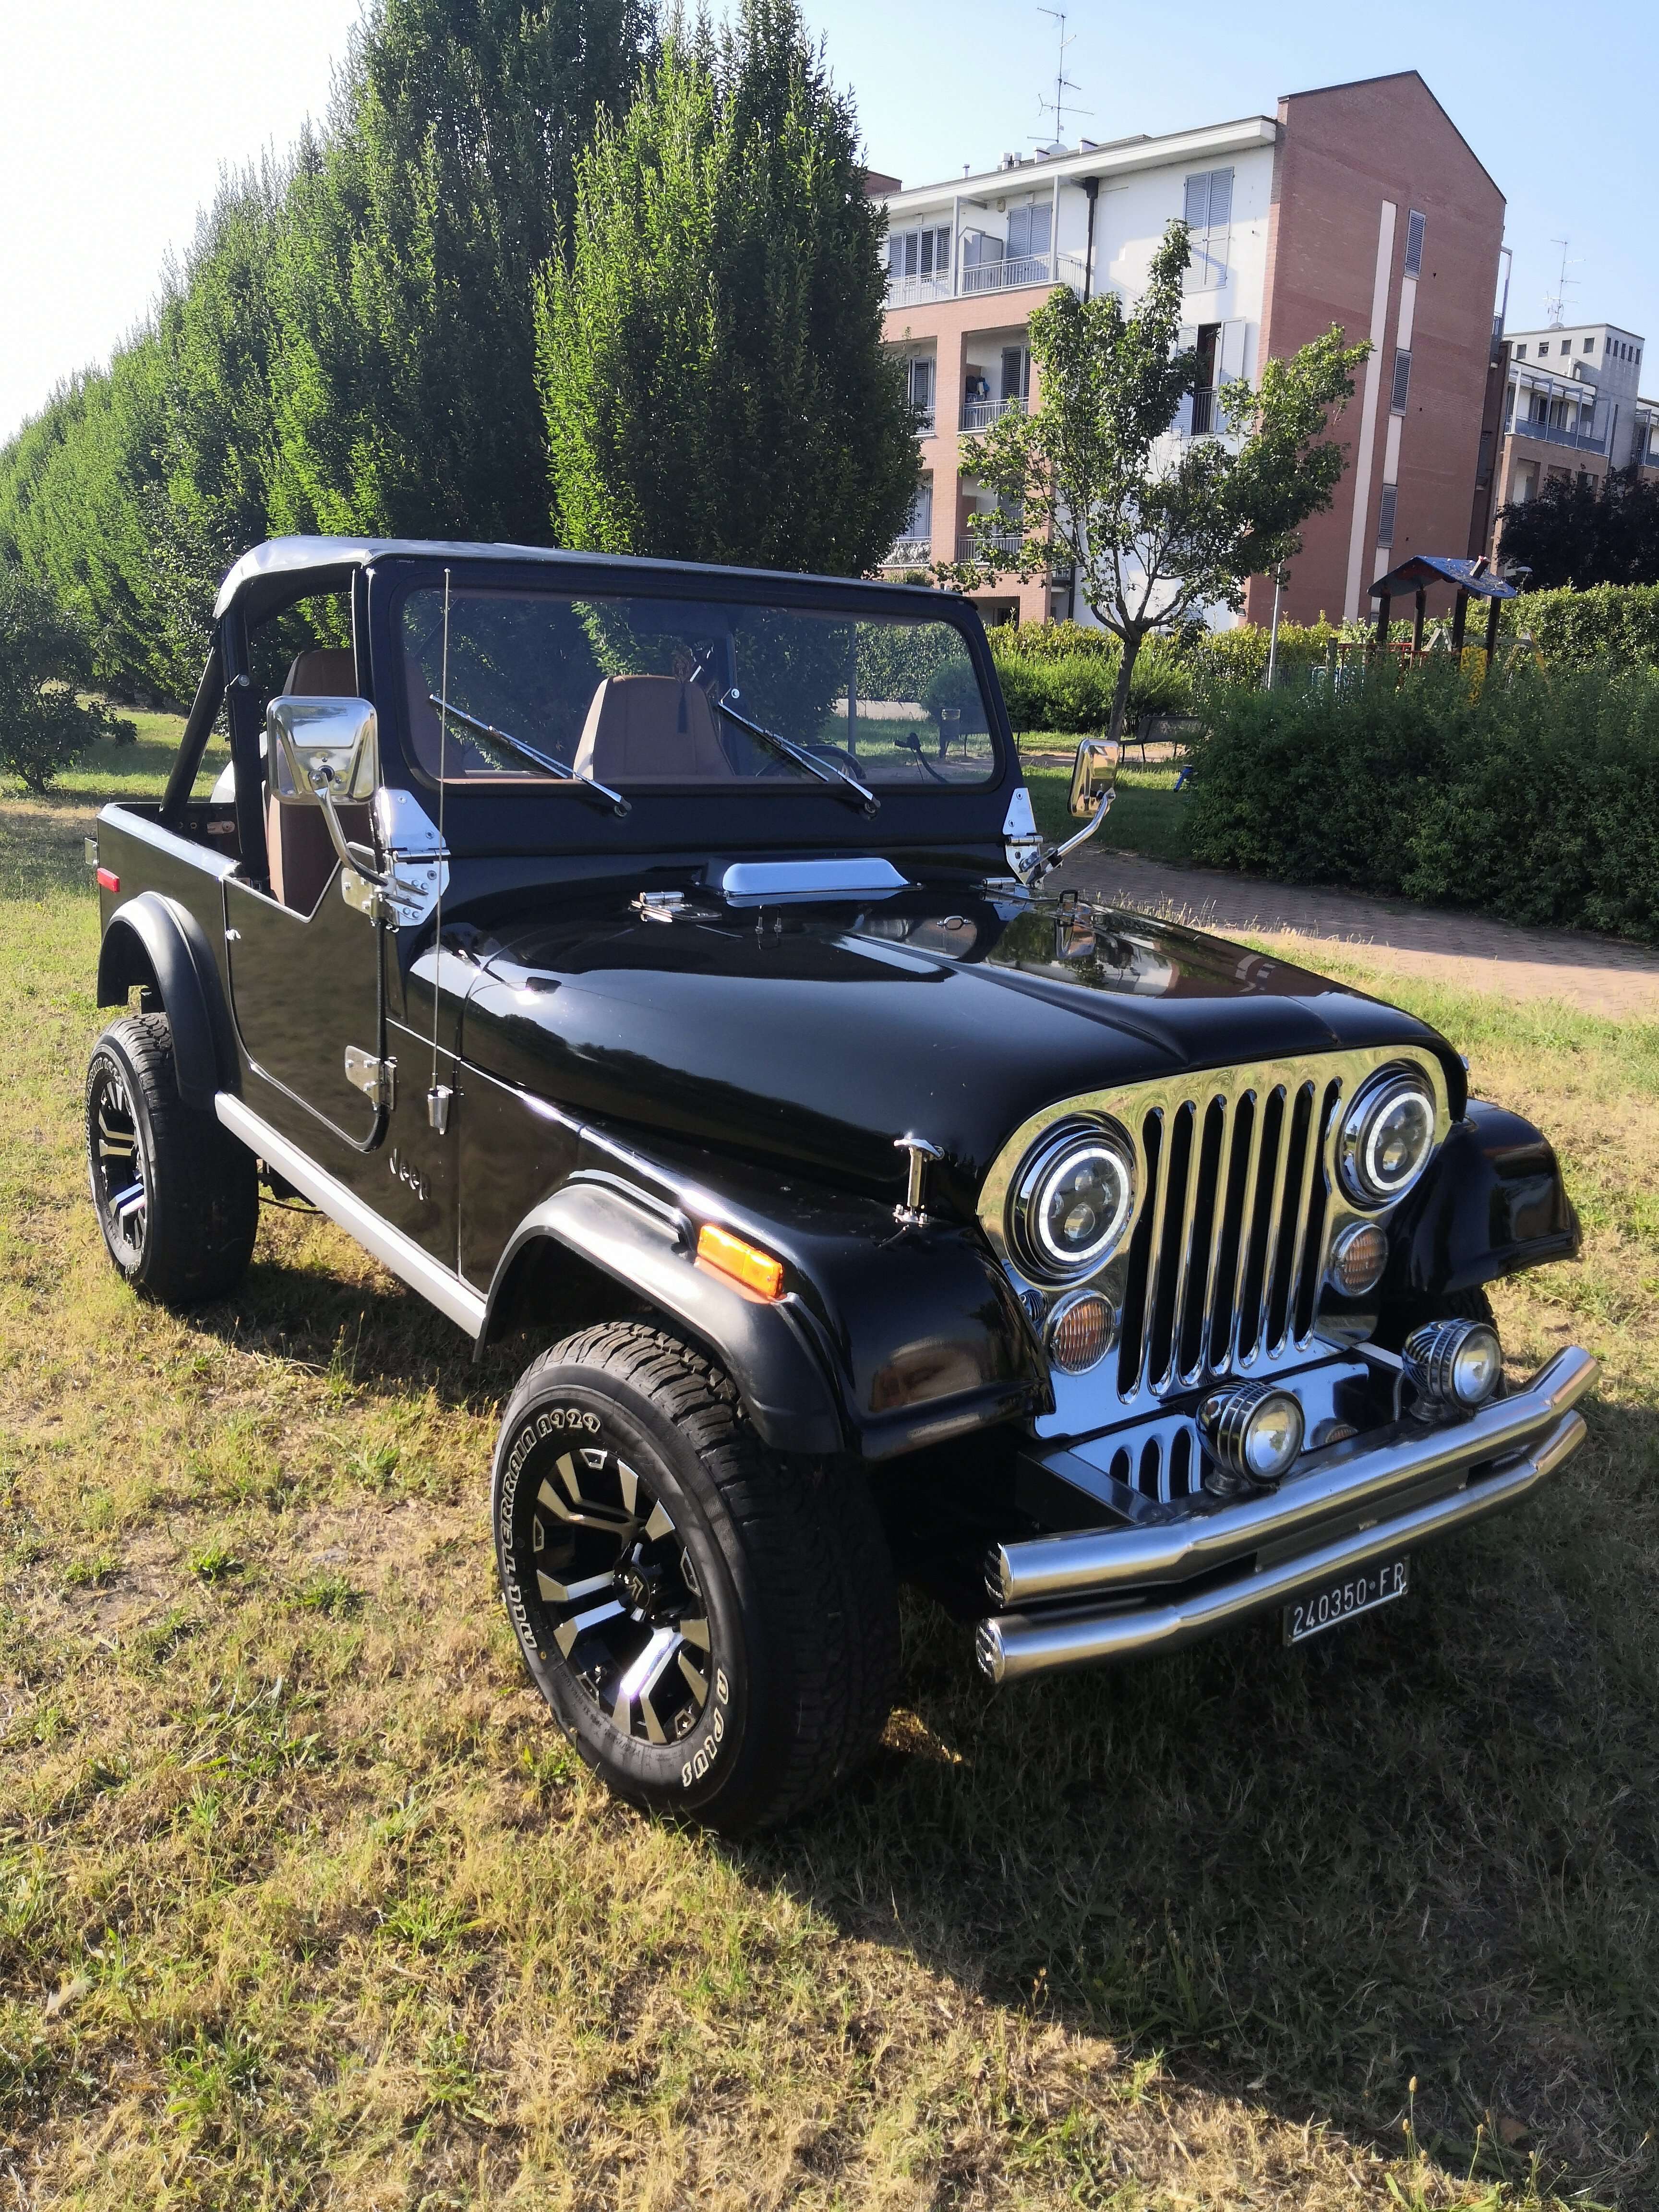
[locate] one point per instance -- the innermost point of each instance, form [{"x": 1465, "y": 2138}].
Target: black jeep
[{"x": 652, "y": 960}]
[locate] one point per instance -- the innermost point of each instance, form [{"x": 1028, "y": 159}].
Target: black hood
[{"x": 814, "y": 1037}]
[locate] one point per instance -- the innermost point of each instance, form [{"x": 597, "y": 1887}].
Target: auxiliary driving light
[
  {"x": 1082, "y": 1330},
  {"x": 1252, "y": 1428},
  {"x": 1458, "y": 1362},
  {"x": 1358, "y": 1259}
]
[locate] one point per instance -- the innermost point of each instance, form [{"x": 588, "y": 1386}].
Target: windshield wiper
[
  {"x": 857, "y": 794},
  {"x": 490, "y": 734}
]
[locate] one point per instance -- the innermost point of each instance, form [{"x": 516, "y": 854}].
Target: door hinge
[{"x": 375, "y": 1078}]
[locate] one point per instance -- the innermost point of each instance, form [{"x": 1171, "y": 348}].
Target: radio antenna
[
  {"x": 438, "y": 1097},
  {"x": 1059, "y": 105}
]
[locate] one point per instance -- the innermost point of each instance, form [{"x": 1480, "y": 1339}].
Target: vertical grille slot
[{"x": 1225, "y": 1262}]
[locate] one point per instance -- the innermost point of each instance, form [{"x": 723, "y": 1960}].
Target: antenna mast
[
  {"x": 1555, "y": 306},
  {"x": 1059, "y": 105}
]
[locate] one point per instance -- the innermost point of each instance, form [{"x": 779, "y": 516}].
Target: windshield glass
[{"x": 635, "y": 692}]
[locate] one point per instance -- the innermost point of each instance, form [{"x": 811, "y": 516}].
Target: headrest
[{"x": 323, "y": 671}]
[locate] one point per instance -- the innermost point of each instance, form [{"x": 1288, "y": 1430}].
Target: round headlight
[
  {"x": 1387, "y": 1137},
  {"x": 1252, "y": 1430},
  {"x": 1461, "y": 1363},
  {"x": 1073, "y": 1202},
  {"x": 1359, "y": 1257}
]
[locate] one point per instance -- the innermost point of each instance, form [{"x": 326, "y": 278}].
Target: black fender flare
[
  {"x": 156, "y": 943},
  {"x": 766, "y": 1344},
  {"x": 1493, "y": 1203}
]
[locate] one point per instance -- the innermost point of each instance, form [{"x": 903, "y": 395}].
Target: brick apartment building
[
  {"x": 1358, "y": 205},
  {"x": 1571, "y": 405}
]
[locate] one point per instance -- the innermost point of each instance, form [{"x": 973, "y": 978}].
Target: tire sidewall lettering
[{"x": 706, "y": 1752}]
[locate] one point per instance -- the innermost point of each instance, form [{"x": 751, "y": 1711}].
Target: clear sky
[{"x": 115, "y": 119}]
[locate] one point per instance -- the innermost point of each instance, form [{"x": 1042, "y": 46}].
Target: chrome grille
[{"x": 1224, "y": 1265}]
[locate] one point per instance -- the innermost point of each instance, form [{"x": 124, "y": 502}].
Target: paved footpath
[{"x": 1598, "y": 974}]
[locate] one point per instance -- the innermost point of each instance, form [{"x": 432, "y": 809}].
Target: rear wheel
[
  {"x": 714, "y": 1626},
  {"x": 177, "y": 1196}
]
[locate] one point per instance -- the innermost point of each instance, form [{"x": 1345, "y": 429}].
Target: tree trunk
[{"x": 1126, "y": 669}]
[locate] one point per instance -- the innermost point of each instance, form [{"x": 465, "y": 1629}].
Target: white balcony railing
[
  {"x": 979, "y": 545},
  {"x": 909, "y": 553},
  {"x": 980, "y": 414},
  {"x": 1008, "y": 275}
]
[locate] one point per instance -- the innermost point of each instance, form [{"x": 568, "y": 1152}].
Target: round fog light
[
  {"x": 1460, "y": 1363},
  {"x": 1081, "y": 1331},
  {"x": 1254, "y": 1430},
  {"x": 1358, "y": 1259}
]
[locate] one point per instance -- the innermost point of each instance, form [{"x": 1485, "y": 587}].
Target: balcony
[
  {"x": 1209, "y": 416},
  {"x": 1555, "y": 433},
  {"x": 909, "y": 553},
  {"x": 918, "y": 291},
  {"x": 977, "y": 544},
  {"x": 1010, "y": 276},
  {"x": 980, "y": 414},
  {"x": 924, "y": 421}
]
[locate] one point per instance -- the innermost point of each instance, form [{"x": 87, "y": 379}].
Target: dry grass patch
[{"x": 303, "y": 1901}]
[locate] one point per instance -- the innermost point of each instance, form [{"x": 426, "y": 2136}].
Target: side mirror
[
  {"x": 1094, "y": 777},
  {"x": 326, "y": 753},
  {"x": 324, "y": 750}
]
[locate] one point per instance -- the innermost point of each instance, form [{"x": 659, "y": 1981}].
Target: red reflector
[{"x": 108, "y": 880}]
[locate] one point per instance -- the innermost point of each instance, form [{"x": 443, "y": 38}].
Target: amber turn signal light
[{"x": 747, "y": 1264}]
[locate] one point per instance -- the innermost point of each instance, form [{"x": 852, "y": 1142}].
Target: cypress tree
[{"x": 710, "y": 343}]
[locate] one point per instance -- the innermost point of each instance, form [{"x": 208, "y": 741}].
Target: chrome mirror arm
[{"x": 1052, "y": 858}]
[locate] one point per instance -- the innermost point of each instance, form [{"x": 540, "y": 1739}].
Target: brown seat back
[{"x": 651, "y": 729}]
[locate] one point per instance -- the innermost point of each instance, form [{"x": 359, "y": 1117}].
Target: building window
[
  {"x": 1520, "y": 353},
  {"x": 1016, "y": 374},
  {"x": 1416, "y": 224},
  {"x": 1028, "y": 229},
  {"x": 1402, "y": 379},
  {"x": 1207, "y": 212},
  {"x": 1385, "y": 519},
  {"x": 919, "y": 252},
  {"x": 918, "y": 376},
  {"x": 1589, "y": 346}
]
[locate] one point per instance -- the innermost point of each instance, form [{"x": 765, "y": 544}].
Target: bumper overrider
[{"x": 1104, "y": 1593}]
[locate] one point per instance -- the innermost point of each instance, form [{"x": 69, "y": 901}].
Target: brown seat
[
  {"x": 651, "y": 729},
  {"x": 302, "y": 855}
]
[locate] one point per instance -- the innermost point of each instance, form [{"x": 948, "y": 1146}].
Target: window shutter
[
  {"x": 1416, "y": 224},
  {"x": 1231, "y": 355},
  {"x": 1198, "y": 202},
  {"x": 1387, "y": 516},
  {"x": 1221, "y": 199}
]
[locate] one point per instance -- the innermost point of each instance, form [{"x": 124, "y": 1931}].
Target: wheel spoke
[
  {"x": 640, "y": 1681},
  {"x": 571, "y": 1593},
  {"x": 695, "y": 1629},
  {"x": 566, "y": 1634},
  {"x": 593, "y": 1516}
]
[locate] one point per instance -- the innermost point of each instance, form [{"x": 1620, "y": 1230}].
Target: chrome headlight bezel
[
  {"x": 1362, "y": 1181},
  {"x": 1060, "y": 1150}
]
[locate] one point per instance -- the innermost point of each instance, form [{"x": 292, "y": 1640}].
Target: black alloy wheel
[
  {"x": 714, "y": 1627},
  {"x": 177, "y": 1197}
]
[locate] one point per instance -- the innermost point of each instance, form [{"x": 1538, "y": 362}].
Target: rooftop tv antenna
[
  {"x": 1060, "y": 107},
  {"x": 1555, "y": 306}
]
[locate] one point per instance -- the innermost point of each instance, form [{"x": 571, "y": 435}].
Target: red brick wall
[{"x": 1342, "y": 152}]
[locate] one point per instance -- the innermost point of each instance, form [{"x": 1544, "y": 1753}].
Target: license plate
[{"x": 1360, "y": 1592}]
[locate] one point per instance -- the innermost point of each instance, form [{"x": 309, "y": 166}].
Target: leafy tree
[
  {"x": 710, "y": 344},
  {"x": 45, "y": 656},
  {"x": 1156, "y": 530},
  {"x": 406, "y": 382},
  {"x": 1586, "y": 532}
]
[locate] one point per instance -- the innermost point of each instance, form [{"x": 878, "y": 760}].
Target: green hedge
[
  {"x": 1537, "y": 799},
  {"x": 1616, "y": 622},
  {"x": 1073, "y": 691}
]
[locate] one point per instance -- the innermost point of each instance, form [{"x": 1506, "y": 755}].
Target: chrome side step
[
  {"x": 410, "y": 1262},
  {"x": 1011, "y": 1647}
]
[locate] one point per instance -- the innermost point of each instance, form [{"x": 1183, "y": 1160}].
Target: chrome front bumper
[{"x": 1115, "y": 1593}]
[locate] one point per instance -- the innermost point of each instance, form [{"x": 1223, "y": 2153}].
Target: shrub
[
  {"x": 1616, "y": 622},
  {"x": 1072, "y": 691},
  {"x": 1535, "y": 797},
  {"x": 44, "y": 656}
]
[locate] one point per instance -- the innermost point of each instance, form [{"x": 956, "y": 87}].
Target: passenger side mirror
[
  {"x": 1094, "y": 776},
  {"x": 324, "y": 749},
  {"x": 326, "y": 753}
]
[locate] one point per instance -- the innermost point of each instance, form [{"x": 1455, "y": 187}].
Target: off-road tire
[
  {"x": 187, "y": 1234},
  {"x": 779, "y": 1562}
]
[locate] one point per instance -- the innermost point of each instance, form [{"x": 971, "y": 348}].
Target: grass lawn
[
  {"x": 303, "y": 1902},
  {"x": 1147, "y": 815}
]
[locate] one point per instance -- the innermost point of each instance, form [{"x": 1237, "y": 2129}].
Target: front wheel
[
  {"x": 177, "y": 1196},
  {"x": 715, "y": 1627}
]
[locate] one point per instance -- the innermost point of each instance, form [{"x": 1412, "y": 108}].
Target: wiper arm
[
  {"x": 491, "y": 735},
  {"x": 859, "y": 794}
]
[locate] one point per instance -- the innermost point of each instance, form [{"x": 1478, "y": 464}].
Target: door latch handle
[{"x": 375, "y": 1078}]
